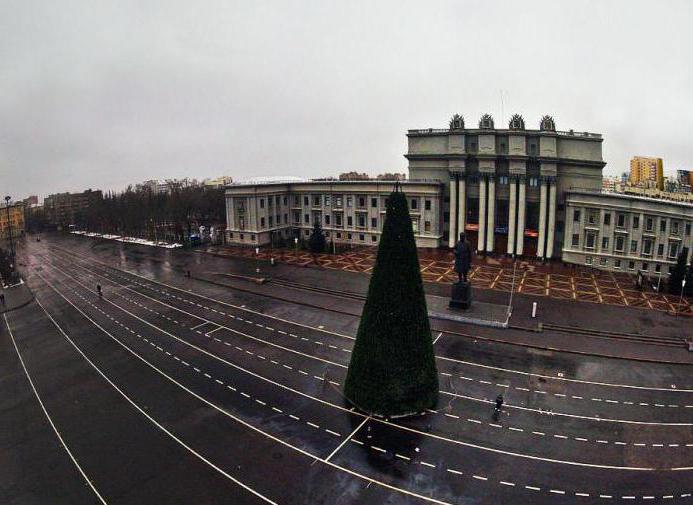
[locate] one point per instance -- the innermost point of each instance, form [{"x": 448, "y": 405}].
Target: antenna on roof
[{"x": 502, "y": 116}]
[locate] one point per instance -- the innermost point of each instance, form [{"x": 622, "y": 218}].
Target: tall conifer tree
[{"x": 392, "y": 370}]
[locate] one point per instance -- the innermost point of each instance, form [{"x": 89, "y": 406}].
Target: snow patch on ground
[{"x": 130, "y": 240}]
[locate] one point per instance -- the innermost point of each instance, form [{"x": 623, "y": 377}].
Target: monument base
[{"x": 461, "y": 296}]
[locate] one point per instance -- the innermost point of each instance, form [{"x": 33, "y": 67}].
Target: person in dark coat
[{"x": 463, "y": 258}]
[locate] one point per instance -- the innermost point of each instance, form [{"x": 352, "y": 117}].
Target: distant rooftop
[
  {"x": 547, "y": 126},
  {"x": 484, "y": 131},
  {"x": 627, "y": 196},
  {"x": 269, "y": 181},
  {"x": 254, "y": 181}
]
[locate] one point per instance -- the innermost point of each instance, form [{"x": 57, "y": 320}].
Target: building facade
[
  {"x": 513, "y": 191},
  {"x": 16, "y": 219},
  {"x": 647, "y": 172},
  {"x": 505, "y": 187},
  {"x": 64, "y": 209},
  {"x": 627, "y": 233},
  {"x": 684, "y": 179},
  {"x": 349, "y": 211}
]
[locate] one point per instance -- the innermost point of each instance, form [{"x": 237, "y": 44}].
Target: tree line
[{"x": 142, "y": 213}]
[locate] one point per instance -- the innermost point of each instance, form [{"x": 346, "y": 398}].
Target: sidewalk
[
  {"x": 551, "y": 280},
  {"x": 16, "y": 296}
]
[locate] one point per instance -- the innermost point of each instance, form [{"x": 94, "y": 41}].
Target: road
[{"x": 171, "y": 390}]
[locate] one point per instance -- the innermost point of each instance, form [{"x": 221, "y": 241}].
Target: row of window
[
  {"x": 271, "y": 220},
  {"x": 532, "y": 181},
  {"x": 349, "y": 236},
  {"x": 276, "y": 199},
  {"x": 338, "y": 236},
  {"x": 338, "y": 221},
  {"x": 502, "y": 149},
  {"x": 620, "y": 245},
  {"x": 618, "y": 264},
  {"x": 621, "y": 222},
  {"x": 338, "y": 199},
  {"x": 326, "y": 200}
]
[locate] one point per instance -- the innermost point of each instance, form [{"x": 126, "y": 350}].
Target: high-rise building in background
[
  {"x": 647, "y": 172},
  {"x": 64, "y": 209},
  {"x": 685, "y": 178}
]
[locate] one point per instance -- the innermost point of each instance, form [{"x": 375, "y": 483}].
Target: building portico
[{"x": 504, "y": 186}]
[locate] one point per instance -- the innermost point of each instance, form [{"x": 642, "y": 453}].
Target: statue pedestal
[{"x": 461, "y": 296}]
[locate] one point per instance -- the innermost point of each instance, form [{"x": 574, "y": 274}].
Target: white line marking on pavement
[
  {"x": 564, "y": 414},
  {"x": 244, "y": 423},
  {"x": 145, "y": 414},
  {"x": 395, "y": 426},
  {"x": 349, "y": 337},
  {"x": 347, "y": 438},
  {"x": 50, "y": 420}
]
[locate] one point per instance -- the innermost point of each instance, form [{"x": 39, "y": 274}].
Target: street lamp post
[
  {"x": 683, "y": 285},
  {"x": 9, "y": 229},
  {"x": 659, "y": 282}
]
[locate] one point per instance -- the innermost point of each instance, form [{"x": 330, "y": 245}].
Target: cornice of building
[{"x": 571, "y": 134}]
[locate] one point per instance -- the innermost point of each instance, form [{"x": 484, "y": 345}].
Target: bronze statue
[{"x": 463, "y": 258}]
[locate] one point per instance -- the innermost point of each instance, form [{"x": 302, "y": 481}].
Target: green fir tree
[
  {"x": 317, "y": 242},
  {"x": 678, "y": 274},
  {"x": 392, "y": 370}
]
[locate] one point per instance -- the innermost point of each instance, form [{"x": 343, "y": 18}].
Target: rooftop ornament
[
  {"x": 547, "y": 124},
  {"x": 517, "y": 122},
  {"x": 457, "y": 122},
  {"x": 486, "y": 122}
]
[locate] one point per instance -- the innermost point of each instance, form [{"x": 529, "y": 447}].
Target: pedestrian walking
[
  {"x": 499, "y": 402},
  {"x": 497, "y": 409}
]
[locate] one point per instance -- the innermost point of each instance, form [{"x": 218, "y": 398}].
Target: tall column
[
  {"x": 542, "y": 220},
  {"x": 491, "y": 222},
  {"x": 512, "y": 213},
  {"x": 552, "y": 218},
  {"x": 453, "y": 209},
  {"x": 521, "y": 206},
  {"x": 462, "y": 205},
  {"x": 482, "y": 214}
]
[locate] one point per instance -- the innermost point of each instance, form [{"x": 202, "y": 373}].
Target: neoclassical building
[
  {"x": 513, "y": 191},
  {"x": 615, "y": 231},
  {"x": 505, "y": 187},
  {"x": 353, "y": 212}
]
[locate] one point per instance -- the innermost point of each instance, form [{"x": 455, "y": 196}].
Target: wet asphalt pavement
[{"x": 173, "y": 390}]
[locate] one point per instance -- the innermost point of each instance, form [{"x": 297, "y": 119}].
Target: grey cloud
[{"x": 102, "y": 94}]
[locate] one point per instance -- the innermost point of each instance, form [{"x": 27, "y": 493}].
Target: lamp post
[
  {"x": 9, "y": 229},
  {"x": 683, "y": 285},
  {"x": 659, "y": 282}
]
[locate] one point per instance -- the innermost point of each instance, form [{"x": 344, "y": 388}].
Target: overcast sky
[{"x": 102, "y": 94}]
